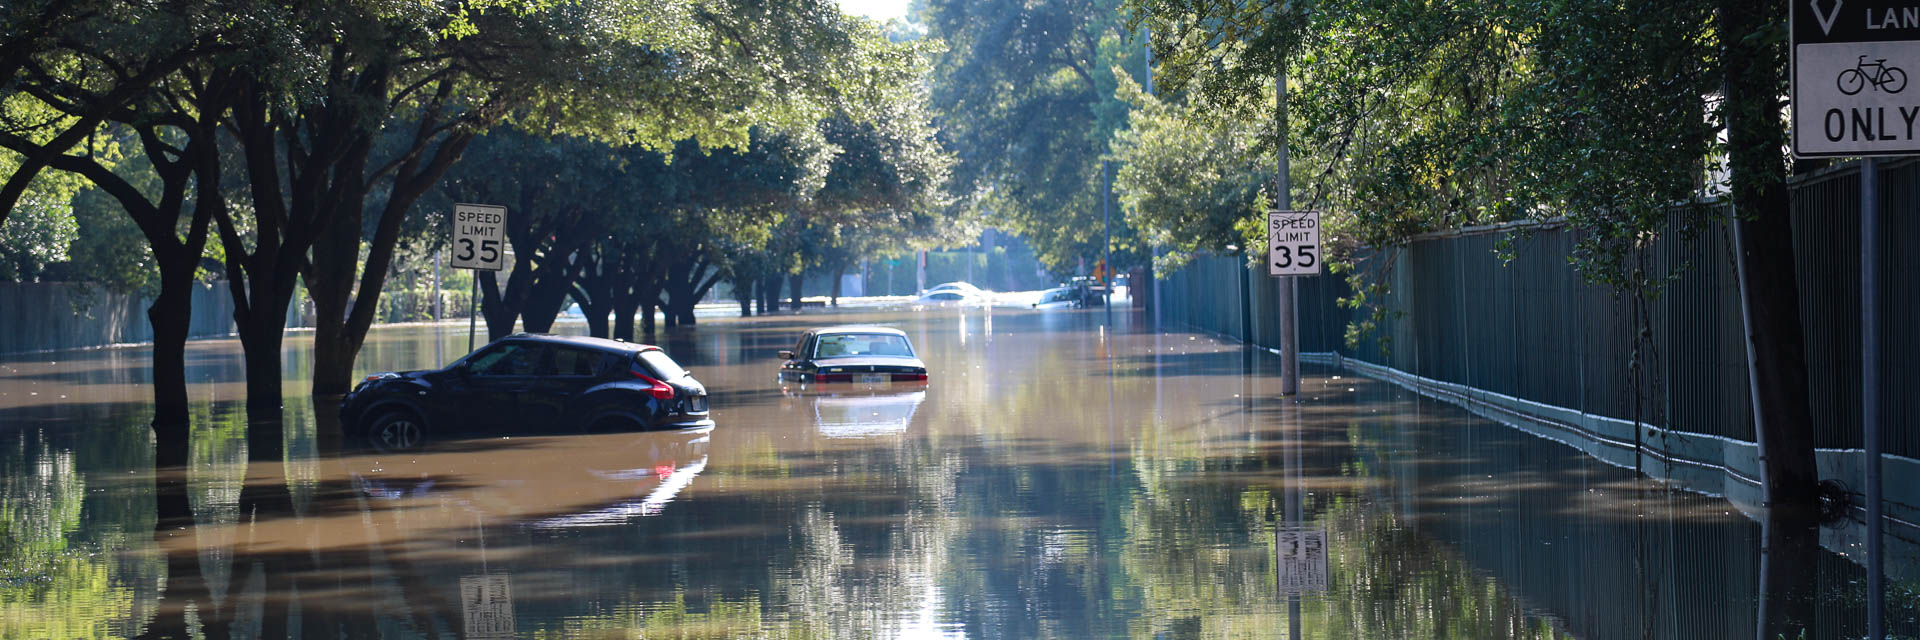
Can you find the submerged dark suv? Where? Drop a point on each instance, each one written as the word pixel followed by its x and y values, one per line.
pixel 533 383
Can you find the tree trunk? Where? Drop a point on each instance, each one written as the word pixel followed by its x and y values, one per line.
pixel 743 292
pixel 172 317
pixel 332 356
pixel 1755 79
pixel 647 309
pixel 793 288
pixel 839 273
pixel 543 305
pixel 1788 555
pixel 497 308
pixel 262 355
pixel 261 318
pixel 623 322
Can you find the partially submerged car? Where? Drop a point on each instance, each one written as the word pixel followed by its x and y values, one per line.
pixel 962 287
pixel 1058 298
pixel 534 383
pixel 862 355
pixel 950 298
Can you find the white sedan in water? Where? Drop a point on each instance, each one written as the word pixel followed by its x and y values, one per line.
pixel 951 298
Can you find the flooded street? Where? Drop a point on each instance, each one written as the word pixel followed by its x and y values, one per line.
pixel 1065 474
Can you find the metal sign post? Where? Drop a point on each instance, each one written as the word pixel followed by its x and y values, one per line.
pixel 1851 97
pixel 1870 358
pixel 479 244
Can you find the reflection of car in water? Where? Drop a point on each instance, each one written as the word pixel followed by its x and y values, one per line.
pixel 570 481
pixel 861 356
pixel 858 414
pixel 534 383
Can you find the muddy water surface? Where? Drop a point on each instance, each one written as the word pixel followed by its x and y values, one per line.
pixel 1064 474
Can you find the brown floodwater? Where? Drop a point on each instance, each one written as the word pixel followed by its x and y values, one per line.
pixel 1065 474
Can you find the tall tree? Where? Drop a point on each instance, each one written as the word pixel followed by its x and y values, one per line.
pixel 1025 96
pixel 1410 117
pixel 153 71
pixel 642 73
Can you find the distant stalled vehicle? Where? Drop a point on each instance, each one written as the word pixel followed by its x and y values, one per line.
pixel 950 298
pixel 1058 298
pixel 965 287
pixel 874 357
pixel 530 382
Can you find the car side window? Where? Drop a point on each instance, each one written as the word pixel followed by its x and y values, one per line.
pixel 511 359
pixel 800 350
pixel 568 361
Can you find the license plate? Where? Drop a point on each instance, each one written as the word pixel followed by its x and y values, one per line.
pixel 870 378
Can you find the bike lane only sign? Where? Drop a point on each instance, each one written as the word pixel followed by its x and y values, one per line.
pixel 479 237
pixel 1851 65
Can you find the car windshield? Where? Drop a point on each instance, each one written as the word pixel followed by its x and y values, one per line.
pixel 662 365
pixel 945 295
pixel 839 345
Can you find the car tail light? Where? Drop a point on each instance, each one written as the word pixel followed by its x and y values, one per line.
pixel 660 389
pixel 834 377
pixel 910 377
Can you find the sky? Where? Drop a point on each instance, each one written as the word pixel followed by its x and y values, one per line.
pixel 881 10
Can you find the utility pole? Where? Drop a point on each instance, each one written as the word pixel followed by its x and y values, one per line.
pixel 1106 234
pixel 1154 282
pixel 1289 288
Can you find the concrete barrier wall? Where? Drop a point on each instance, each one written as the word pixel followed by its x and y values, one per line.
pixel 54 316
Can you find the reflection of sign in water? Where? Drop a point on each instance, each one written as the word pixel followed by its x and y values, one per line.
pixel 486 601
pixel 1303 559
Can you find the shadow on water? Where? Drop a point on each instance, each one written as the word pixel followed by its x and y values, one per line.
pixel 1022 493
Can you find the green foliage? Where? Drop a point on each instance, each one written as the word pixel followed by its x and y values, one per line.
pixel 1026 96
pixel 1191 184
pixel 1411 117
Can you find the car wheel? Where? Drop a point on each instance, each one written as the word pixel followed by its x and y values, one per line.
pixel 396 430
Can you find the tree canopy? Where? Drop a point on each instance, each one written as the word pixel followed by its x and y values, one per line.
pixel 1025 94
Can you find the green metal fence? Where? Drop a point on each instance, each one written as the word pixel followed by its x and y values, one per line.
pixel 1531 328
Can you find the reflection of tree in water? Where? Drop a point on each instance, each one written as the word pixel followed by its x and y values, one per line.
pixel 66 512
pixel 1199 535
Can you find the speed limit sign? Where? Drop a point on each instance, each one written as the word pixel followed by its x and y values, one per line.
pixel 1293 243
pixel 479 237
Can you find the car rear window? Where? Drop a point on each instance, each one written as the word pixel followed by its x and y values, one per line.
pixel 661 365
pixel 860 344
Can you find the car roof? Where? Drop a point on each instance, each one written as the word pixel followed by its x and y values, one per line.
pixel 954 285
pixel 859 328
pixel 599 344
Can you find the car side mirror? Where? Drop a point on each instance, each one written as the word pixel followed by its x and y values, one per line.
pixel 786 355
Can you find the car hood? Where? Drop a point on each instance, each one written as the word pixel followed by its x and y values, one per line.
pixel 871 361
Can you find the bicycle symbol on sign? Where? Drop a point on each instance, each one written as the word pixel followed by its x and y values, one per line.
pixel 1875 74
